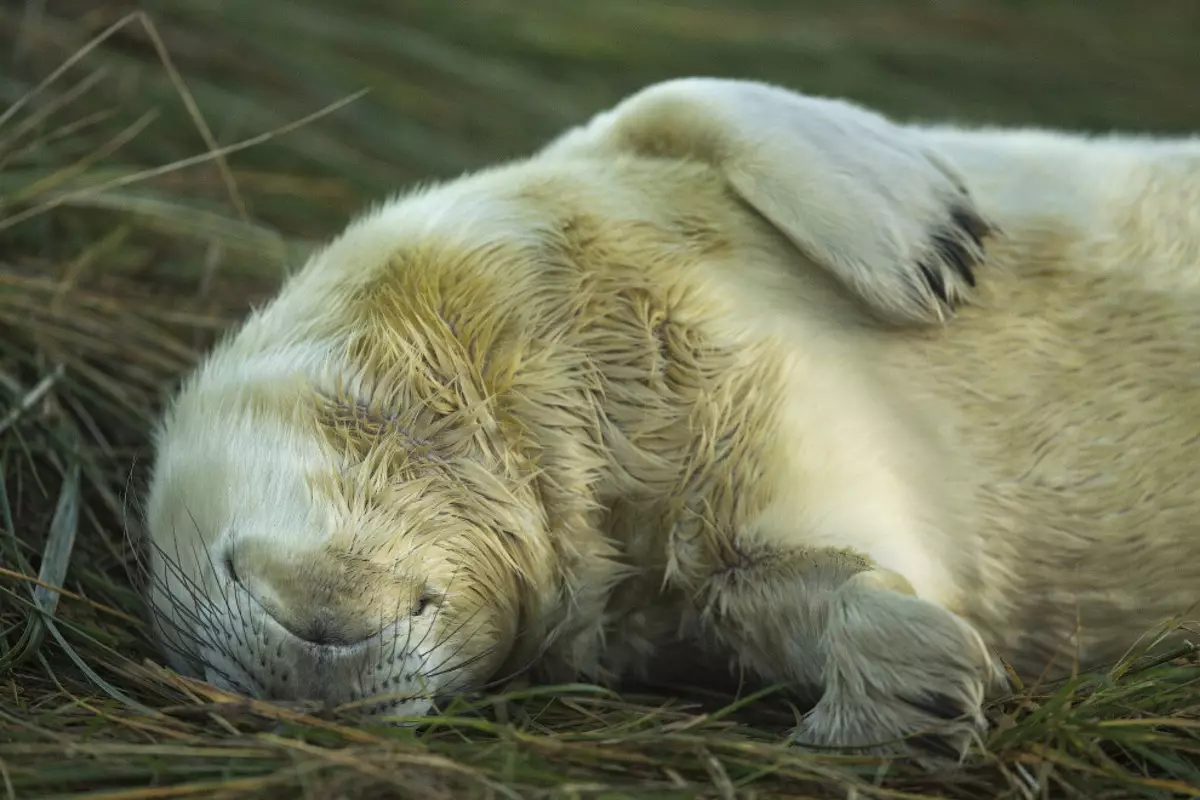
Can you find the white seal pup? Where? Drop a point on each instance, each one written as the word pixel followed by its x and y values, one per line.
pixel 863 405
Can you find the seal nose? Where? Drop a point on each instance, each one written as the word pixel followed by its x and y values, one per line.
pixel 317 597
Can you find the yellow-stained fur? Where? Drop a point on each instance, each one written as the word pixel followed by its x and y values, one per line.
pixel 848 401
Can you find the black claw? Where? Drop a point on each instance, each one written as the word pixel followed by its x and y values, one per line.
pixel 975 227
pixel 956 254
pixel 935 282
pixel 937 704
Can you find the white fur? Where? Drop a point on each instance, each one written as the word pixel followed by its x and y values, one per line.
pixel 947 451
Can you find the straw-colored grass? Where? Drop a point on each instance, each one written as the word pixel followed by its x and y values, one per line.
pixel 159 173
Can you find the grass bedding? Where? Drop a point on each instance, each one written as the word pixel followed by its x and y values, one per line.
pixel 161 169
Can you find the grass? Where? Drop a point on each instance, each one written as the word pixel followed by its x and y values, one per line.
pixel 158 181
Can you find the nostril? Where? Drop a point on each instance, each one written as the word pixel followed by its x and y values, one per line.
pixel 320 633
pixel 230 569
pixel 426 602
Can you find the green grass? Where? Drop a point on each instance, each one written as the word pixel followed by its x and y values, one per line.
pixel 126 246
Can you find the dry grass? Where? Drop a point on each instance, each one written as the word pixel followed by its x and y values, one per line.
pixel 127 245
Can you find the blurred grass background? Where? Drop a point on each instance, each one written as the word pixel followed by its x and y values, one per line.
pixel 119 264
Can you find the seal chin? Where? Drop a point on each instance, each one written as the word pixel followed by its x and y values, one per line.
pixel 400 706
pixel 389 673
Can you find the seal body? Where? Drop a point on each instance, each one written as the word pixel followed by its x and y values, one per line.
pixel 859 405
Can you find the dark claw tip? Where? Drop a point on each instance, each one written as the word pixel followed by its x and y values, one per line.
pixel 935 282
pixel 956 254
pixel 972 224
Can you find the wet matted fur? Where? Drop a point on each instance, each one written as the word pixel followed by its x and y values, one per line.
pixel 859 405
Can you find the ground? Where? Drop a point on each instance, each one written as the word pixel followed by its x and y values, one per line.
pixel 127 244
